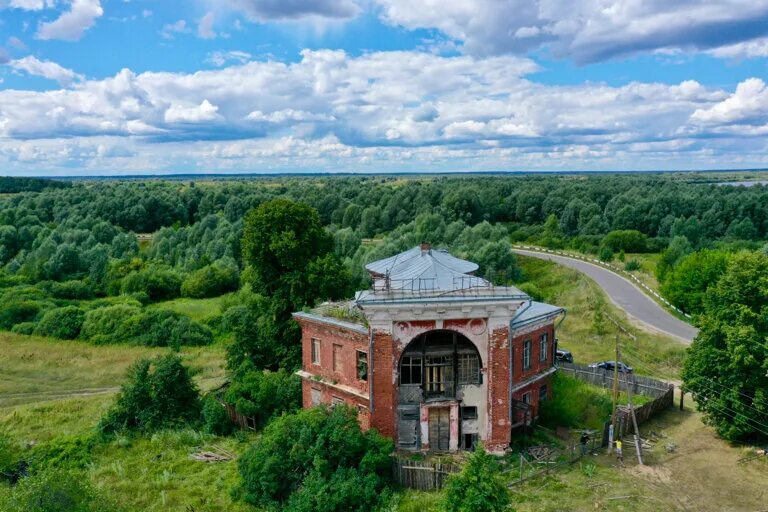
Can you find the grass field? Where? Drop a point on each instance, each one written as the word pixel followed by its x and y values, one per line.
pixel 588 331
pixel 196 309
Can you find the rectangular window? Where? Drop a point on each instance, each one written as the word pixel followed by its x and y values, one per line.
pixel 526 354
pixel 543 347
pixel 410 370
pixel 527 398
pixel 316 395
pixel 337 357
pixel 469 369
pixel 362 365
pixel 336 401
pixel 469 413
pixel 439 375
pixel 542 393
pixel 315 351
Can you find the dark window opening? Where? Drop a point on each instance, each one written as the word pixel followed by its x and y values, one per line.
pixel 527 398
pixel 362 365
pixel 542 393
pixel 470 440
pixel 469 413
pixel 410 370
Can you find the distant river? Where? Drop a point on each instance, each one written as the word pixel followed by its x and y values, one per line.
pixel 743 183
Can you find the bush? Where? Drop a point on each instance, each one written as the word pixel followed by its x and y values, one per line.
pixel 158 394
pixel 157 282
pixel 10 459
pixel 215 418
pixel 632 265
pixel 24 328
pixel 70 452
pixel 532 290
pixel 63 323
pixel 605 254
pixel 15 312
pixel 478 487
pixel 264 395
pixel 311 451
pixel 108 323
pixel 55 491
pixel 211 281
pixel 628 240
pixel 76 290
pixel 574 404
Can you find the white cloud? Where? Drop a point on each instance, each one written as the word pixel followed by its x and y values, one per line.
pixel 30 5
pixel 71 25
pixel 169 29
pixel 45 69
pixel 384 110
pixel 745 50
pixel 220 58
pixel 191 114
pixel 205 27
pixel 585 30
pixel 266 10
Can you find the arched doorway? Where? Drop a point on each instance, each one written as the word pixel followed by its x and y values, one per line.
pixel 434 370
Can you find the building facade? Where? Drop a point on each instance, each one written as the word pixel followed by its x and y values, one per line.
pixel 432 355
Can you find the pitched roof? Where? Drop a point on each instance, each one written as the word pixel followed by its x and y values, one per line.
pixel 534 311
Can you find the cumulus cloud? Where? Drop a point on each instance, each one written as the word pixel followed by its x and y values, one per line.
pixel 266 10
pixel 45 69
pixel 746 50
pixel 386 109
pixel 71 25
pixel 585 30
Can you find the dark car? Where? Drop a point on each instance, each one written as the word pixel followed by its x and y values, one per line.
pixel 563 356
pixel 609 366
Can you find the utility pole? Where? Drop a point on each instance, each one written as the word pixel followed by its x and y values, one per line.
pixel 614 416
pixel 638 448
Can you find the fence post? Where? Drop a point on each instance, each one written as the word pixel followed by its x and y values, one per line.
pixel 521 467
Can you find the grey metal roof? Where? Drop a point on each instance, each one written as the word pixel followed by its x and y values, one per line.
pixel 536 310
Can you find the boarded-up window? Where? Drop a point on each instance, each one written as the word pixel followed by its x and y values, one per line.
pixel 469 369
pixel 410 370
pixel 337 358
pixel 362 365
pixel 316 395
pixel 543 346
pixel 315 351
pixel 469 413
pixel 526 354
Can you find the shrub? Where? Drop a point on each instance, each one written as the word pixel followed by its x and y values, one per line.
pixel 532 290
pixel 211 281
pixel 574 404
pixel 18 311
pixel 71 452
pixel 24 328
pixel 215 418
pixel 263 394
pixel 10 457
pixel 158 394
pixel 628 240
pixel 64 323
pixel 478 487
pixel 632 265
pixel 108 323
pixel 605 254
pixel 74 289
pixel 314 450
pixel 157 282
pixel 55 491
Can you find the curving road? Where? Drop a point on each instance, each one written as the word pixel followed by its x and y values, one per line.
pixel 627 296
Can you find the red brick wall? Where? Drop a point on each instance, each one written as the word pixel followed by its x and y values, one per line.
pixel 537 366
pixel 498 389
pixel 534 389
pixel 384 397
pixel 330 335
pixel 328 393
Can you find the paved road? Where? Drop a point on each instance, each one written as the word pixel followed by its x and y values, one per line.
pixel 627 296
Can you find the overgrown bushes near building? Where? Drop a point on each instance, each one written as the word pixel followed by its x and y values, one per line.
pixel 263 395
pixel 316 460
pixel 54 491
pixel 479 486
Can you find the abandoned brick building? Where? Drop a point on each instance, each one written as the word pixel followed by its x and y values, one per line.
pixel 432 355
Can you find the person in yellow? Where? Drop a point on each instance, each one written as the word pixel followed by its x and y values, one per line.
pixel 619 453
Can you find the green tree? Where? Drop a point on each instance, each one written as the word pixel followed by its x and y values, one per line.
pixel 316 449
pixel 479 486
pixel 727 365
pixel 158 394
pixel 678 247
pixel 687 283
pixel 64 323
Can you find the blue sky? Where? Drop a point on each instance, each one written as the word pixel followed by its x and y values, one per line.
pixel 160 86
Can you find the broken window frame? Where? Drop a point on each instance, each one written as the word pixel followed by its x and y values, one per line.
pixel 361 364
pixel 468 368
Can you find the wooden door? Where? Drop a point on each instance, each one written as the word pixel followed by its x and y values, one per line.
pixel 439 428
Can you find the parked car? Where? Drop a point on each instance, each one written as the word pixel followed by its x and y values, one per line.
pixel 563 356
pixel 609 366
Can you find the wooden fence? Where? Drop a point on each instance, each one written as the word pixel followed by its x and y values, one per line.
pixel 640 385
pixel 421 475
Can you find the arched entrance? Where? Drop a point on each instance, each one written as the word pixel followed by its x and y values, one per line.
pixel 433 372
